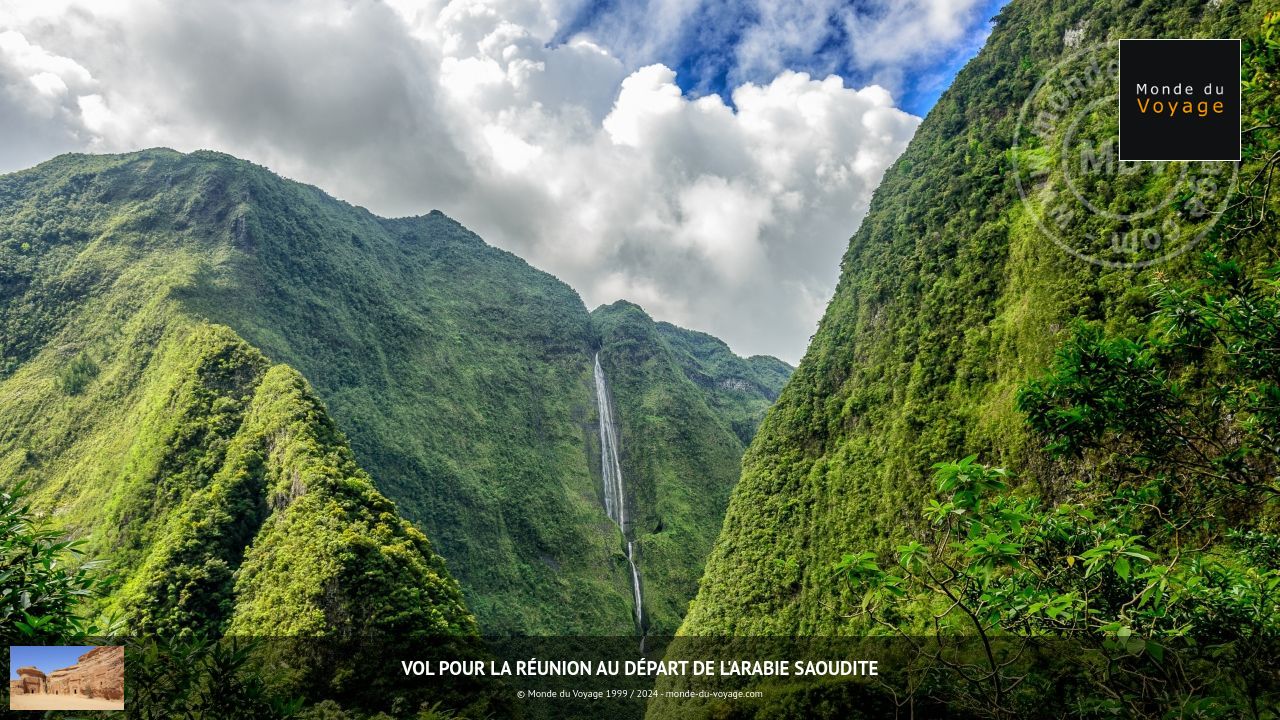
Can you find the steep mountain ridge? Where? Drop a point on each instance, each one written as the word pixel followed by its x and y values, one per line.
pixel 950 297
pixel 206 452
pixel 682 398
pixel 460 375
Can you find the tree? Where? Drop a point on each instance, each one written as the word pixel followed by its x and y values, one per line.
pixel 1148 620
pixel 44 579
pixel 1154 564
pixel 1143 578
pixel 200 679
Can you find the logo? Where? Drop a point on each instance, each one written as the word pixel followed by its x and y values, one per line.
pixel 1180 100
pixel 1079 192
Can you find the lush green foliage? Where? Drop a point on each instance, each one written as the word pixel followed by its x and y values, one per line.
pixel 334 553
pixel 288 537
pixel 77 374
pixel 199 679
pixel 949 299
pixel 140 296
pixel 739 390
pixel 1177 622
pixel 682 399
pixel 266 526
pixel 43 579
pixel 1133 570
pixel 220 452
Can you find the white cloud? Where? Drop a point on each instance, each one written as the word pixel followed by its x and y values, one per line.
pixel 884 40
pixel 904 35
pixel 726 219
pixel 39 101
pixel 899 30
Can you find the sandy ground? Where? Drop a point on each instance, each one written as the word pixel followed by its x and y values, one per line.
pixel 62 702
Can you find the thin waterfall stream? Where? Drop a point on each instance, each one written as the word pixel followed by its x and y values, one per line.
pixel 615 496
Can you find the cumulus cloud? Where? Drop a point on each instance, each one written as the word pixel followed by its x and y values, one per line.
pixel 873 35
pixel 723 214
pixel 888 42
pixel 898 36
pixel 41 97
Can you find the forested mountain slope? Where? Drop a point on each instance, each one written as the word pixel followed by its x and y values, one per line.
pixel 950 298
pixel 461 376
pixel 682 398
pixel 218 482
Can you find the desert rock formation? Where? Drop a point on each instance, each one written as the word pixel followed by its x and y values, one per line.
pixel 30 680
pixel 98 673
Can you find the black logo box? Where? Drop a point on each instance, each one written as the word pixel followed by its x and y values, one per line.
pixel 1185 65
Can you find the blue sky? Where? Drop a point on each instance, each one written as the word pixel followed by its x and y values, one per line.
pixel 705 49
pixel 46 658
pixel 924 87
pixel 706 159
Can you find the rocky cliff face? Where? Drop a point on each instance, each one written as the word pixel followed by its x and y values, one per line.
pixel 30 680
pixel 98 673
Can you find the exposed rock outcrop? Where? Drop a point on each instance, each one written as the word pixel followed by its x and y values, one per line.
pixel 98 673
pixel 30 680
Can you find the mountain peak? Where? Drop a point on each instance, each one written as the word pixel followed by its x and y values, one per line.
pixel 452 375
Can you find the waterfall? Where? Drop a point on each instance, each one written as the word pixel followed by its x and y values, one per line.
pixel 615 497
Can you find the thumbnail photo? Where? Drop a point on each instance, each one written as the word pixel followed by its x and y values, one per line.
pixel 54 677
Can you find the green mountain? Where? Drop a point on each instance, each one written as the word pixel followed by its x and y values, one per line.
pixel 739 390
pixel 950 298
pixel 206 370
pixel 684 402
